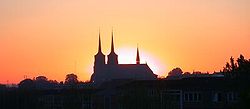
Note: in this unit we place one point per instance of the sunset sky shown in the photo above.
(57, 37)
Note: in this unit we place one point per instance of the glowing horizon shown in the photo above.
(57, 37)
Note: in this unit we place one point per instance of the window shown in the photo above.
(192, 97)
(232, 96)
(152, 92)
(217, 97)
(185, 97)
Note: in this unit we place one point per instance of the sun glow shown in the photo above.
(127, 55)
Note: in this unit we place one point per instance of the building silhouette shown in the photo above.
(112, 70)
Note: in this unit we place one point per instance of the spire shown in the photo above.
(112, 57)
(137, 56)
(99, 47)
(99, 57)
(112, 42)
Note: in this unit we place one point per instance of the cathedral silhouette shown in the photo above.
(112, 70)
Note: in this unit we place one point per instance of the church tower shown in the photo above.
(98, 64)
(112, 57)
(99, 57)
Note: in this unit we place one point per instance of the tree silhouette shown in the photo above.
(175, 72)
(27, 84)
(242, 62)
(240, 70)
(41, 78)
(71, 79)
(233, 65)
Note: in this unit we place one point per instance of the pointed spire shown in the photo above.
(137, 56)
(112, 57)
(112, 42)
(99, 47)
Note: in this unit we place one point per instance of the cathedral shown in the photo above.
(112, 70)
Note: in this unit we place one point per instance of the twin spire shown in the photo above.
(112, 52)
(100, 45)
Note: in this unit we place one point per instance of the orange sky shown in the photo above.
(47, 37)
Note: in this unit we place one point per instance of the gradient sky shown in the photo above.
(57, 37)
